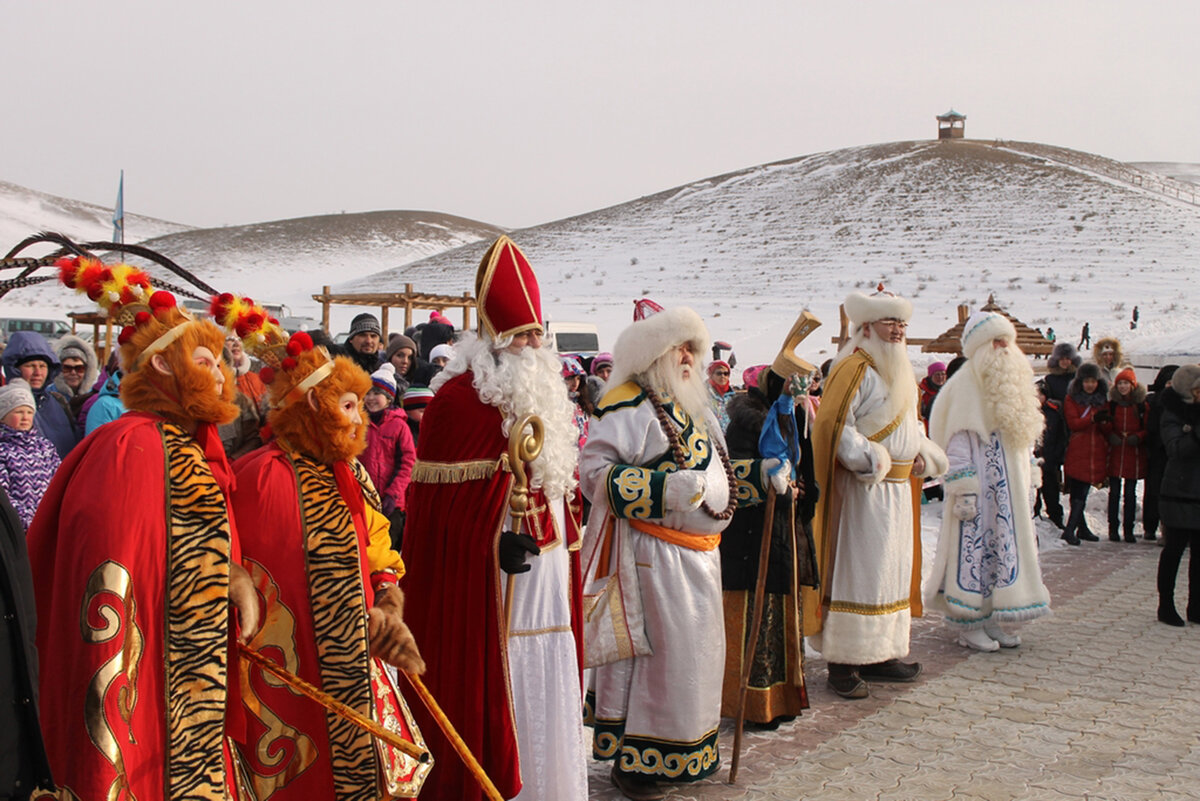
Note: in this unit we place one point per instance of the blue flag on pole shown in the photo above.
(118, 218)
(773, 441)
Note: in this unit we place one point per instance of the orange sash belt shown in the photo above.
(697, 542)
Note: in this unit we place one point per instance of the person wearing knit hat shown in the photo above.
(598, 373)
(136, 521)
(391, 450)
(365, 342)
(868, 444)
(411, 369)
(1157, 456)
(414, 400)
(27, 459)
(719, 390)
(1086, 462)
(318, 542)
(442, 354)
(1128, 452)
(988, 419)
(1179, 499)
(934, 380)
(507, 674)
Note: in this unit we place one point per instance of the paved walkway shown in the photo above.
(1100, 702)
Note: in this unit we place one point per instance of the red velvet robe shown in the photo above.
(100, 549)
(454, 587)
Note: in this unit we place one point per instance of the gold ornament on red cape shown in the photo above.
(263, 338)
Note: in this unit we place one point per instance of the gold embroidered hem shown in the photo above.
(852, 608)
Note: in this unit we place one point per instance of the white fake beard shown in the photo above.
(1010, 403)
(529, 382)
(666, 377)
(892, 364)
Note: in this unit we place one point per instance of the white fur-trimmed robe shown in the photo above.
(986, 568)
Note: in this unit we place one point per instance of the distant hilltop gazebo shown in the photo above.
(1029, 340)
(951, 125)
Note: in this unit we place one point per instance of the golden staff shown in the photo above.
(522, 448)
(333, 705)
(453, 737)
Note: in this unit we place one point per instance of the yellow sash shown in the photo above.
(697, 542)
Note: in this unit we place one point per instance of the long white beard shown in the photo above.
(666, 377)
(1010, 403)
(892, 364)
(529, 382)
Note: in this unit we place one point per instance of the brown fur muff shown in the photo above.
(322, 433)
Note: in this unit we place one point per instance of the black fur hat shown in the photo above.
(1089, 370)
(1064, 350)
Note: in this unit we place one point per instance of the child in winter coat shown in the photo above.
(1085, 410)
(391, 452)
(1127, 451)
(27, 459)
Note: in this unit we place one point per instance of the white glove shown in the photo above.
(777, 480)
(966, 507)
(685, 490)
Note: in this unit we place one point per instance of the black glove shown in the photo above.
(1131, 439)
(513, 547)
(396, 530)
(1103, 417)
(1115, 439)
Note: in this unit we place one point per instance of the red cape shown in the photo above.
(453, 590)
(99, 553)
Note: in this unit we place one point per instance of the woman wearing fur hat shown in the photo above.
(1179, 498)
(1127, 452)
(1156, 453)
(1107, 354)
(27, 459)
(318, 547)
(1086, 463)
(136, 563)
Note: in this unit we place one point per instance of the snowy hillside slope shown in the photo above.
(1180, 171)
(25, 211)
(284, 261)
(941, 223)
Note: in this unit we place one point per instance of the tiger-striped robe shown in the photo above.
(316, 563)
(130, 553)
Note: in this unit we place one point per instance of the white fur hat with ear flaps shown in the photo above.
(863, 309)
(645, 340)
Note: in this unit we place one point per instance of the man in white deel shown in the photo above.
(660, 481)
(868, 446)
(988, 419)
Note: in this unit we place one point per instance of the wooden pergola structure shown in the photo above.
(1031, 341)
(408, 300)
(95, 319)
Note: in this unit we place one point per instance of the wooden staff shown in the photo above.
(333, 705)
(522, 449)
(443, 722)
(764, 551)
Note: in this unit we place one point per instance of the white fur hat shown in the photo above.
(862, 308)
(982, 327)
(645, 340)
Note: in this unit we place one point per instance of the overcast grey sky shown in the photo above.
(517, 113)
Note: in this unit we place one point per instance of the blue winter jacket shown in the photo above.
(52, 420)
(108, 406)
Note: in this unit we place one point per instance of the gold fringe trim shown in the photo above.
(425, 472)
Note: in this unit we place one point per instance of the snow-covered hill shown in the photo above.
(25, 211)
(1045, 229)
(1180, 171)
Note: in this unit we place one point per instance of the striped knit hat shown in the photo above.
(417, 397)
(384, 380)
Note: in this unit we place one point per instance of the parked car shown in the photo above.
(52, 330)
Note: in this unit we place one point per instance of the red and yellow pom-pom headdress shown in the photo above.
(292, 365)
(151, 318)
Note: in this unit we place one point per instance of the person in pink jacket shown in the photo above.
(391, 452)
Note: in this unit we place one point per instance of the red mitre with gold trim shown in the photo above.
(506, 291)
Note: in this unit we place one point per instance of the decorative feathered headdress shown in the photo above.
(287, 370)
